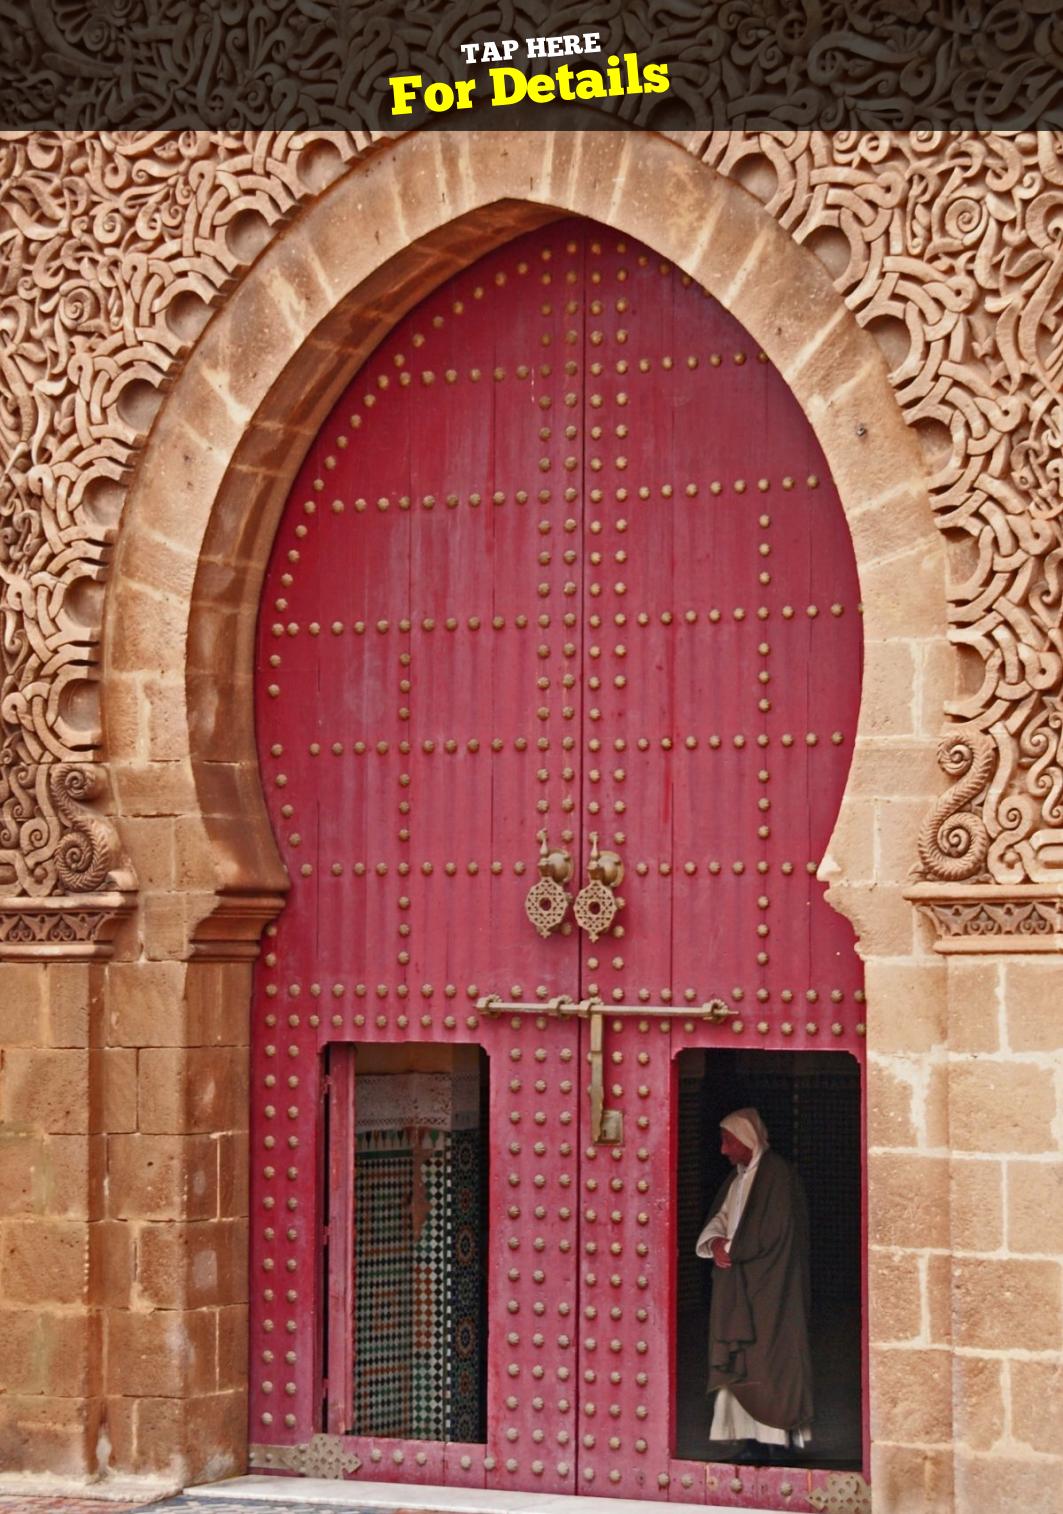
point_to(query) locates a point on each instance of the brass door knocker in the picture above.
(548, 900)
(596, 903)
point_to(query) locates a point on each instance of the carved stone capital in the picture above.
(232, 930)
(979, 918)
(62, 928)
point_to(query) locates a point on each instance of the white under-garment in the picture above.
(731, 1422)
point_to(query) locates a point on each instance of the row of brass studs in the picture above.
(692, 490)
(449, 1022)
(473, 869)
(523, 371)
(273, 1297)
(451, 745)
(764, 676)
(404, 660)
(472, 992)
(762, 867)
(619, 527)
(646, 995)
(264, 1458)
(667, 362)
(521, 622)
(450, 991)
(511, 1432)
(404, 379)
(544, 557)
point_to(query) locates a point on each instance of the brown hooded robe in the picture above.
(758, 1324)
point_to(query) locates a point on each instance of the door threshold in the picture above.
(341, 1494)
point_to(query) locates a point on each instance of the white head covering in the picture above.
(750, 1129)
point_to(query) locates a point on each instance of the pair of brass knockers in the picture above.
(595, 905)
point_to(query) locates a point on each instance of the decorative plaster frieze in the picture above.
(62, 927)
(979, 918)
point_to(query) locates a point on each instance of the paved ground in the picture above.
(188, 1503)
(50, 1503)
(184, 1503)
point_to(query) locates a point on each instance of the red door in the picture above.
(565, 557)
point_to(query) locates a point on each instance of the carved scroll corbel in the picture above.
(74, 886)
(970, 910)
(954, 842)
(88, 853)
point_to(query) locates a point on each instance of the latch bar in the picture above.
(607, 1126)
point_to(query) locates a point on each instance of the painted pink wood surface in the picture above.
(552, 561)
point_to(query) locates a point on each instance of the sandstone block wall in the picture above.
(123, 1218)
(966, 1260)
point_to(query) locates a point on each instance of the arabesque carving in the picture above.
(944, 246)
(114, 245)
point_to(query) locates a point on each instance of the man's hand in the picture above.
(720, 1254)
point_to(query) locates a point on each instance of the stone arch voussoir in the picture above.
(259, 380)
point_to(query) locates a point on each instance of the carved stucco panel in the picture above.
(114, 247)
(947, 248)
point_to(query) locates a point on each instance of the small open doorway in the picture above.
(407, 1242)
(810, 1103)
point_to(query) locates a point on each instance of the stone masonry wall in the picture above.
(123, 1218)
(966, 1231)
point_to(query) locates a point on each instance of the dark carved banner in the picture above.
(750, 64)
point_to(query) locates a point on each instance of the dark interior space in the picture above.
(810, 1103)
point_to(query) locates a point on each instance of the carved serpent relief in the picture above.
(955, 842)
(114, 245)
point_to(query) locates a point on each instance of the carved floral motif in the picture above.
(114, 245)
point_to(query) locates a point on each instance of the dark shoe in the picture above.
(748, 1453)
(725, 1452)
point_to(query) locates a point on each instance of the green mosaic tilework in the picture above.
(420, 1326)
(383, 1297)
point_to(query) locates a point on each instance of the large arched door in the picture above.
(565, 557)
